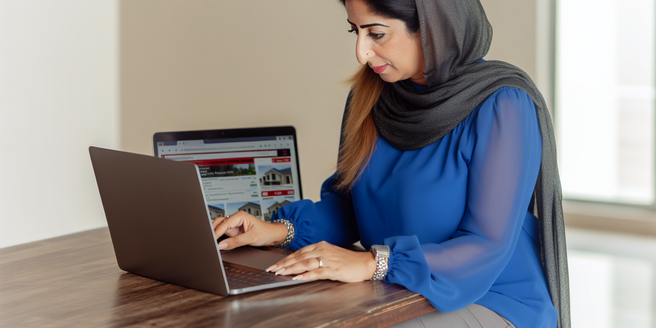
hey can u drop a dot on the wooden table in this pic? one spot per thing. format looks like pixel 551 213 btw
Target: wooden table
pixel 73 281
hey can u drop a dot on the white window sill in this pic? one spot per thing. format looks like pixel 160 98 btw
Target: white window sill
pixel 610 217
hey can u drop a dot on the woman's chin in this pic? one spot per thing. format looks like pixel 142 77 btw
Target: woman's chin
pixel 389 78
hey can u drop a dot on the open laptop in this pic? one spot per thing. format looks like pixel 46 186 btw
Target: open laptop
pixel 159 211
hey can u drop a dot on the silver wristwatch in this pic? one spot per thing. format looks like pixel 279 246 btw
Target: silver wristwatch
pixel 381 254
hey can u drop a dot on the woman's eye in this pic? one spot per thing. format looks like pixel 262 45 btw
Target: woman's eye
pixel 353 31
pixel 376 35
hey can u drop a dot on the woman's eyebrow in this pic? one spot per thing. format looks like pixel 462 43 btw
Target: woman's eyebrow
pixel 368 25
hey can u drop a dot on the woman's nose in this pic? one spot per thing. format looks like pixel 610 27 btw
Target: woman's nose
pixel 362 51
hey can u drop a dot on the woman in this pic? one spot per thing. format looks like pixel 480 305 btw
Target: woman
pixel 443 158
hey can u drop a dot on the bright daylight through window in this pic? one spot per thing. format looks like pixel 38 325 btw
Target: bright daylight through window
pixel 605 99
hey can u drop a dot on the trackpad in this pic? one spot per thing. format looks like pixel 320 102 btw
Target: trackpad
pixel 251 257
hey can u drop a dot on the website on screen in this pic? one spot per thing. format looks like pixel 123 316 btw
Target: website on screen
pixel 255 175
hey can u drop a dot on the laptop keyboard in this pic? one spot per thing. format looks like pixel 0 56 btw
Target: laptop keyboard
pixel 238 278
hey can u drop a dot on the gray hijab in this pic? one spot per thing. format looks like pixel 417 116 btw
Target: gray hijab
pixel 455 34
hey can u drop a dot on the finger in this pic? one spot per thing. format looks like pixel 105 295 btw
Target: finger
pixel 215 224
pixel 299 262
pixel 304 265
pixel 294 257
pixel 234 242
pixel 218 220
pixel 289 259
pixel 313 275
pixel 234 221
pixel 232 232
pixel 299 254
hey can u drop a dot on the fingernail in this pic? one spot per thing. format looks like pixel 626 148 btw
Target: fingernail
pixel 223 246
pixel 297 278
pixel 271 268
pixel 280 272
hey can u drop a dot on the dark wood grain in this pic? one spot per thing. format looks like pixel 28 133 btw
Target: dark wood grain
pixel 73 281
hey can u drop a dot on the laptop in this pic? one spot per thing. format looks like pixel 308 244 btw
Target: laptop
pixel 160 210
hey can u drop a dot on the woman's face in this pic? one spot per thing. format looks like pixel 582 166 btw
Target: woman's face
pixel 386 45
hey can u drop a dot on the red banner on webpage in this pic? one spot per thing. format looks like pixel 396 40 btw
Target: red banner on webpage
pixel 272 193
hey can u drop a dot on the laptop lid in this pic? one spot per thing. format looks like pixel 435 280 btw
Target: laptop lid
pixel 255 170
pixel 158 220
pixel 160 225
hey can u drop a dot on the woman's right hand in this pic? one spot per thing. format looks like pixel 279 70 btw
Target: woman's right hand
pixel 245 229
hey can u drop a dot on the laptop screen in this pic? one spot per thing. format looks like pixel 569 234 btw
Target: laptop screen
pixel 255 174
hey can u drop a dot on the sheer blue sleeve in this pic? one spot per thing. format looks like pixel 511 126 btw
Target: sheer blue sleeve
pixel 332 219
pixel 502 172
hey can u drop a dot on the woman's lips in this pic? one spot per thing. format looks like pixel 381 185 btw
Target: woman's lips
pixel 379 69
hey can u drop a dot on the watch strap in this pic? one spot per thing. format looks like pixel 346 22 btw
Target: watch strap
pixel 381 254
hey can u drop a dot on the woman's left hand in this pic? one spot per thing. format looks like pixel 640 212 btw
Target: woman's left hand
pixel 325 261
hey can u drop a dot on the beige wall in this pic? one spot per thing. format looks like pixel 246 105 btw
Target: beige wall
pixel 202 64
pixel 514 36
pixel 524 36
pixel 58 95
pixel 205 64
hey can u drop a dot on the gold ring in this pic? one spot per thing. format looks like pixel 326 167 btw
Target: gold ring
pixel 320 262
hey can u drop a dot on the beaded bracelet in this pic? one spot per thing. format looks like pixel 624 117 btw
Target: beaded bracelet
pixel 290 233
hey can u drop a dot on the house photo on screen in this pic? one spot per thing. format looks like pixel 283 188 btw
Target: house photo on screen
pixel 253 208
pixel 275 175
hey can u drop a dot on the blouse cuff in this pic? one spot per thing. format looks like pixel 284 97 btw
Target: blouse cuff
pixel 303 229
pixel 407 263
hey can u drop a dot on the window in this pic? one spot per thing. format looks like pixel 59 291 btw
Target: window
pixel 605 99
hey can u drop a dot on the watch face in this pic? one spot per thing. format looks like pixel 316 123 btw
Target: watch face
pixel 380 250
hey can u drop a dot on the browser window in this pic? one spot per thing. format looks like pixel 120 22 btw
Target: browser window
pixel 255 175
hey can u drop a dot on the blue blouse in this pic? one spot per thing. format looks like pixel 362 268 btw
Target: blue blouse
pixel 454 213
